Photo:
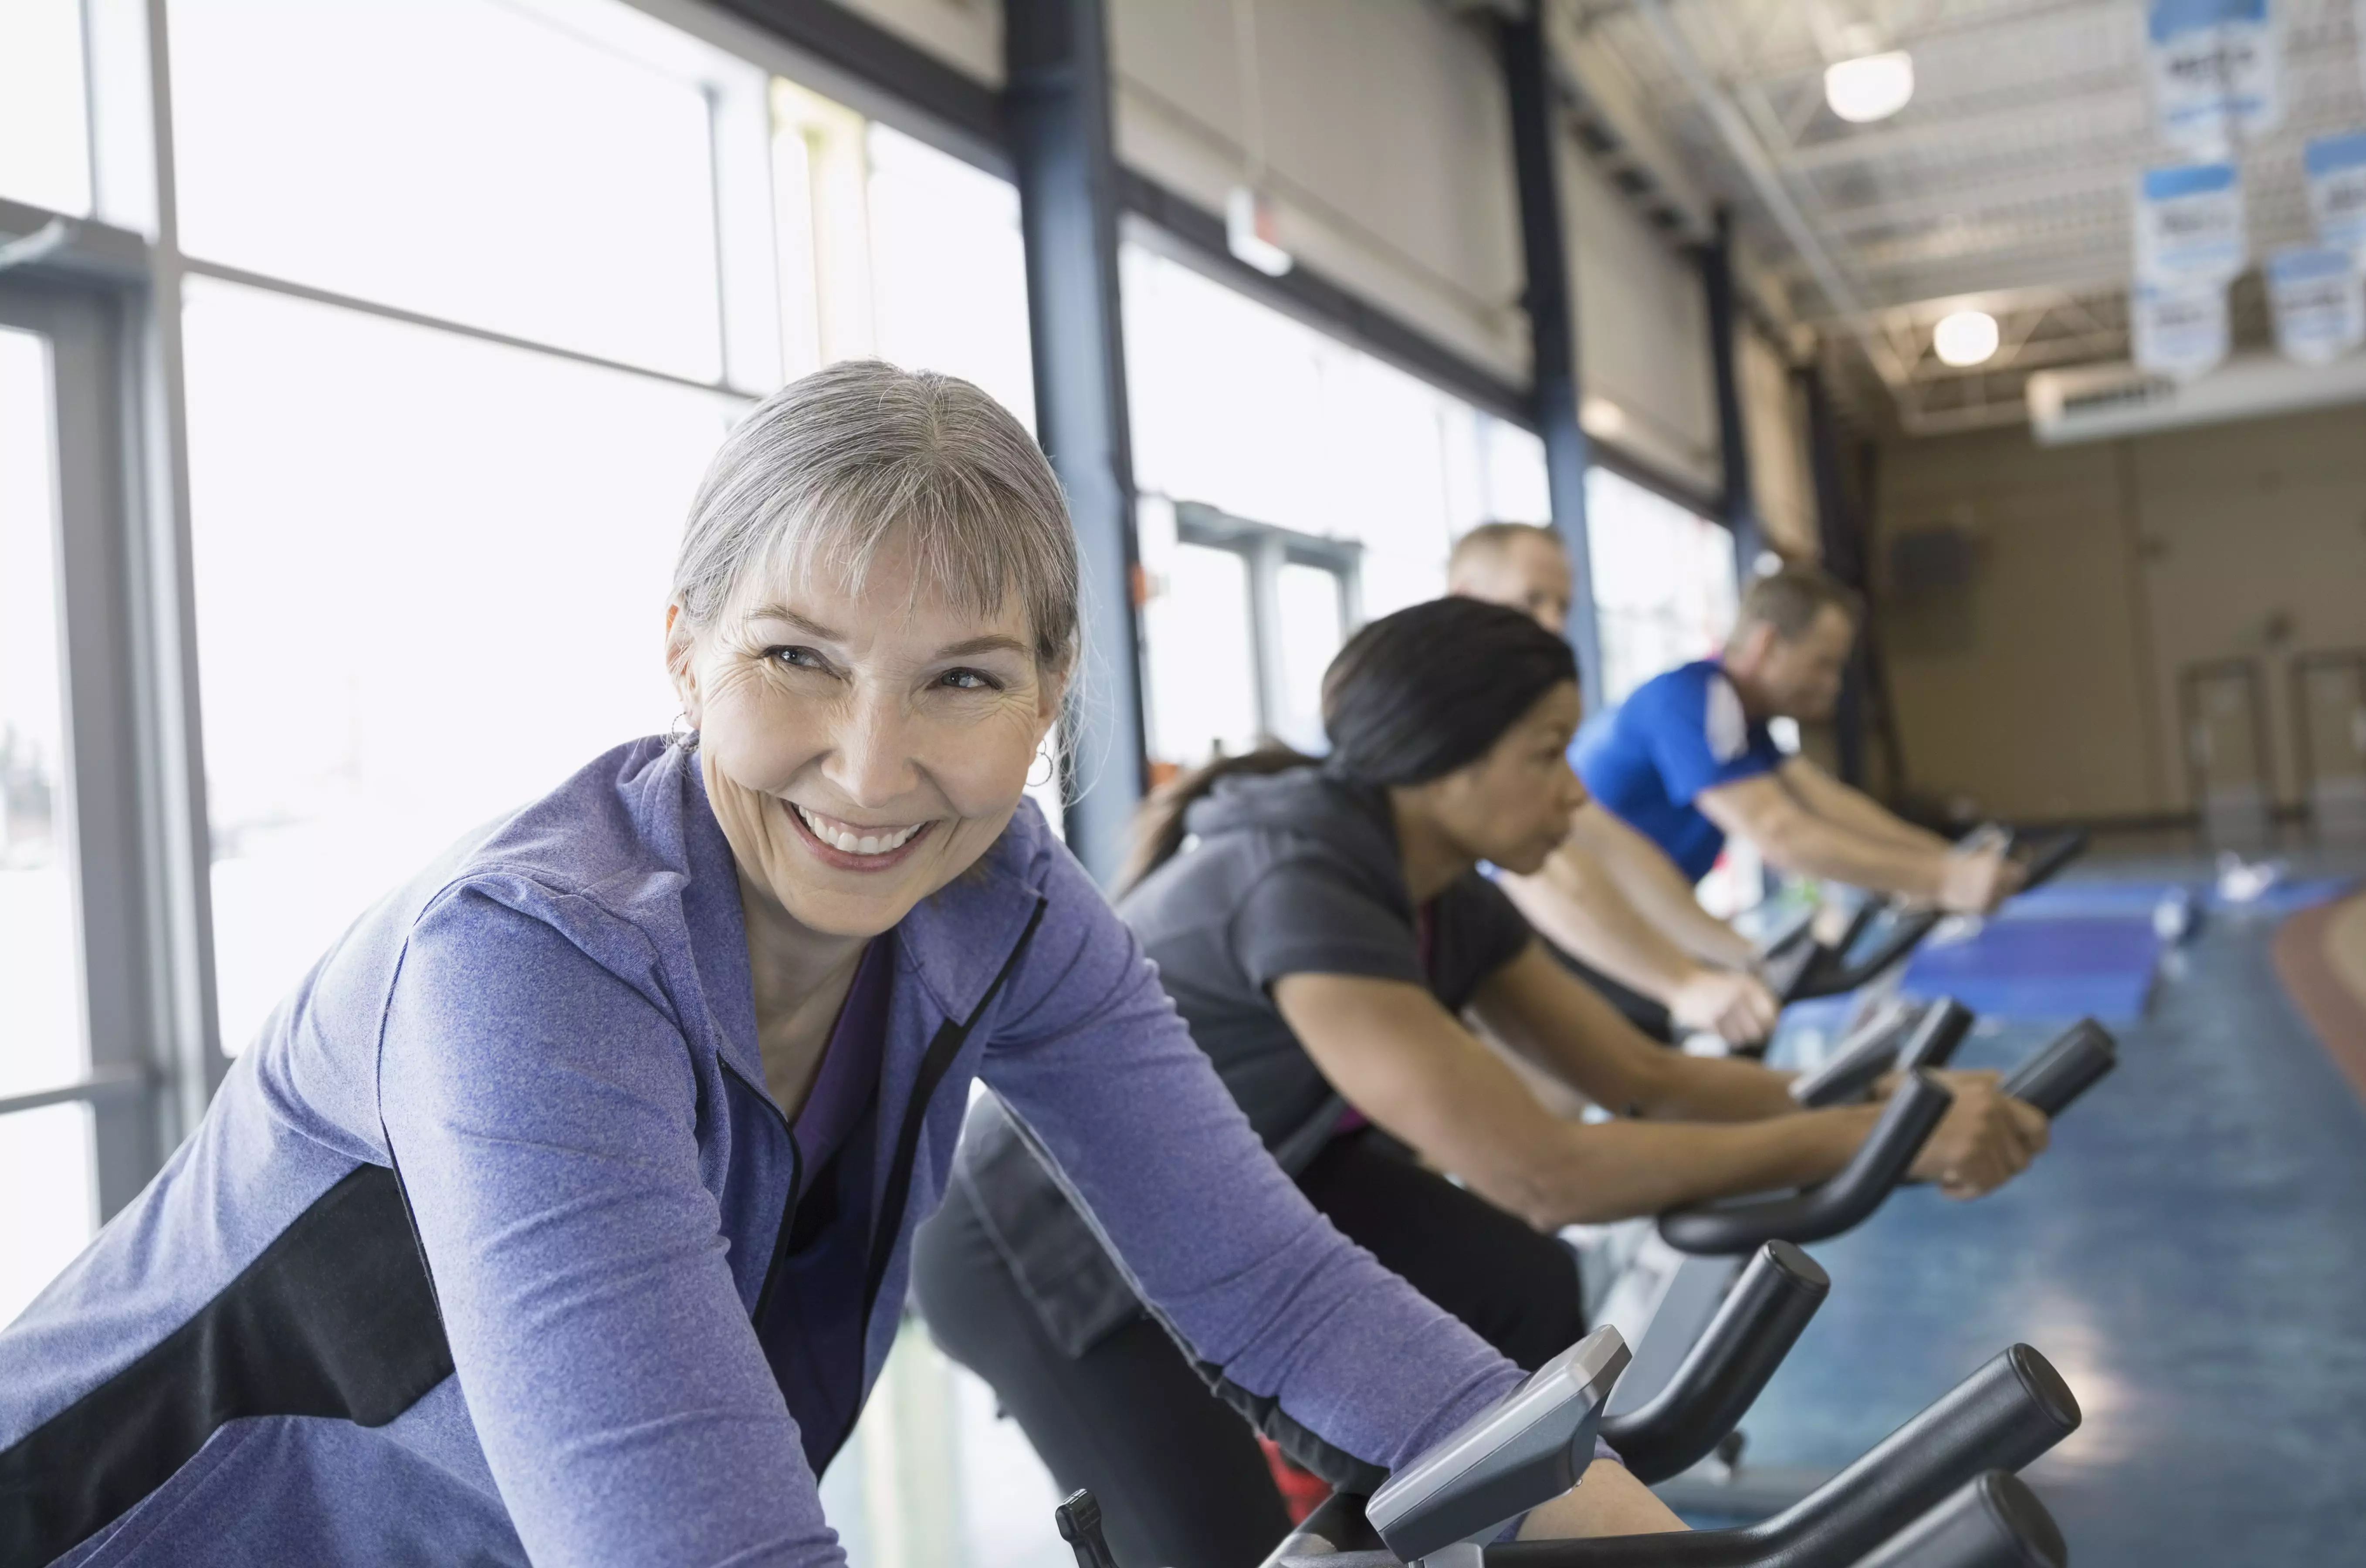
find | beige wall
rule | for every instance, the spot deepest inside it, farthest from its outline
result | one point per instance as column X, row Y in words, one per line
column 2049, row 688
column 1774, row 425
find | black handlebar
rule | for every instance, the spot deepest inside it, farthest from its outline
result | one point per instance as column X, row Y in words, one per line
column 1832, row 974
column 1728, row 1367
column 1942, row 1028
column 2061, row 1072
column 1995, row 1521
column 2049, row 855
column 1879, row 1164
column 2000, row 1417
column 1861, row 1058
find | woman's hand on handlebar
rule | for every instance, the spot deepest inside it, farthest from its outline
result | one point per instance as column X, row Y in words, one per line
column 1735, row 1006
column 1606, row 1501
column 1985, row 1140
column 1974, row 882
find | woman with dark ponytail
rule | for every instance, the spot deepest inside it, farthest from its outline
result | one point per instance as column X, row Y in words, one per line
column 1325, row 930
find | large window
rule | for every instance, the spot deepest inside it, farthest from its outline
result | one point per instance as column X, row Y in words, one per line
column 44, row 156
column 45, row 1150
column 423, row 598
column 1243, row 413
column 466, row 159
column 1663, row 581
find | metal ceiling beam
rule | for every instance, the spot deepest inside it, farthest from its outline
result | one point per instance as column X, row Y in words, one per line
column 1733, row 127
column 2094, row 97
column 1780, row 64
column 2025, row 188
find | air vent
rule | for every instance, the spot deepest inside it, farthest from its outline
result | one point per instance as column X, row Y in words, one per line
column 2097, row 402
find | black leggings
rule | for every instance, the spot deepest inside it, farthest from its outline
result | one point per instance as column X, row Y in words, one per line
column 1180, row 1475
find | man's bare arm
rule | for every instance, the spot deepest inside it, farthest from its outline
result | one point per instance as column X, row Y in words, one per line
column 1656, row 888
column 1578, row 908
column 1576, row 904
column 1835, row 801
column 1792, row 838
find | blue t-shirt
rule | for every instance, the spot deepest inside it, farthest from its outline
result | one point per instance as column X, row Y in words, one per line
column 1675, row 735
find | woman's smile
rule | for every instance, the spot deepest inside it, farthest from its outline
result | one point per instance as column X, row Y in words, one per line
column 854, row 846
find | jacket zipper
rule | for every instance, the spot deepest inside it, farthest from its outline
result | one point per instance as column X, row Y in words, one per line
column 788, row 1208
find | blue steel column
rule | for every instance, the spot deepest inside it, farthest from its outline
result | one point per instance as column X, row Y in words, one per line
column 1840, row 532
column 1739, row 506
column 1056, row 106
column 1552, row 322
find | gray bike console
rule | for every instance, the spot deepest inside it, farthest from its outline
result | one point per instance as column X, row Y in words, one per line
column 1530, row 1448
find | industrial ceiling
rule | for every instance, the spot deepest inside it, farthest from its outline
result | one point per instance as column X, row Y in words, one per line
column 2005, row 184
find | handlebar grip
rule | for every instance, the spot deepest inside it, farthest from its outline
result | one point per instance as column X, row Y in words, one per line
column 2052, row 856
column 1726, row 1370
column 2061, row 1072
column 1878, row 1165
column 1995, row 1521
column 1943, row 1028
column 1836, row 975
column 2000, row 1417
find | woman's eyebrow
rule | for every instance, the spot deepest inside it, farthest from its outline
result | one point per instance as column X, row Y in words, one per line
column 995, row 643
column 811, row 628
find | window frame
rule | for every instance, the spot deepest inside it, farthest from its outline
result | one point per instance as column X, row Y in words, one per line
column 106, row 289
column 1266, row 549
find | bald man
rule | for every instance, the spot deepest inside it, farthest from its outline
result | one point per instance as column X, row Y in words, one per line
column 1609, row 897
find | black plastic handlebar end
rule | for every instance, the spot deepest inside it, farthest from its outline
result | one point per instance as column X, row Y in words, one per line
column 1993, row 1522
column 1800, row 1267
column 1763, row 1317
column 1935, row 1038
column 2077, row 1060
column 2047, row 1387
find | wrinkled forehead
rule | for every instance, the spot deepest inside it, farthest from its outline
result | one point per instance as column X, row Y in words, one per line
column 884, row 588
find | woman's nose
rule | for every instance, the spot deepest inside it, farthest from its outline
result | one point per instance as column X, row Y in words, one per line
column 874, row 760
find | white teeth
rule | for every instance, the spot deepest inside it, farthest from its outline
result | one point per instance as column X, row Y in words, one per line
column 847, row 843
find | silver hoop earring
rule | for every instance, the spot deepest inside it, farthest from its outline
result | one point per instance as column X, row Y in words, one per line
column 1051, row 769
column 683, row 735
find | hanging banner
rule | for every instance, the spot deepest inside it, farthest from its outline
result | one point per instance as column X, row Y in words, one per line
column 2190, row 225
column 2218, row 71
column 2319, row 302
column 2179, row 332
column 2336, row 166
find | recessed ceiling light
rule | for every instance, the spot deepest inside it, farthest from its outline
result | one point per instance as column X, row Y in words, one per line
column 1965, row 338
column 1870, row 87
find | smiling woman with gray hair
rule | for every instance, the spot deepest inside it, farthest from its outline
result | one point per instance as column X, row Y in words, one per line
column 564, row 1211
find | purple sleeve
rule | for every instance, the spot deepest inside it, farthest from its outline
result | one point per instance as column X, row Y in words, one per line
column 1089, row 1052
column 542, row 1115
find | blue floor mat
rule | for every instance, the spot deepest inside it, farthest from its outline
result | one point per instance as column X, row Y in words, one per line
column 2134, row 900
column 2039, row 971
column 2191, row 1253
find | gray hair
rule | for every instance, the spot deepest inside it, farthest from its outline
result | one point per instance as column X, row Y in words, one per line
column 836, row 464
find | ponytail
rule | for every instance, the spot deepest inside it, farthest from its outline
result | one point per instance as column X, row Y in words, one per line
column 1158, row 831
column 1411, row 697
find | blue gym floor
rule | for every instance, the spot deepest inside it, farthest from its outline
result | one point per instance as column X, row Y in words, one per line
column 2192, row 1254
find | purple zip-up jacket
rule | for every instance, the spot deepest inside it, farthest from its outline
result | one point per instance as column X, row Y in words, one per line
column 469, row 1260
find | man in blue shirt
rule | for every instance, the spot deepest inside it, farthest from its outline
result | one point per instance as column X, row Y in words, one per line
column 1688, row 759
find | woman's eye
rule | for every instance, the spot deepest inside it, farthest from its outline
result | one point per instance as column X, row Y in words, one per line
column 796, row 658
column 969, row 680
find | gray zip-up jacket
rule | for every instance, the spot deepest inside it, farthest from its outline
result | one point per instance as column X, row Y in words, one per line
column 469, row 1260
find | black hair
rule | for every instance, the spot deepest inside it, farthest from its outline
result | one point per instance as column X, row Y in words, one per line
column 1411, row 698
